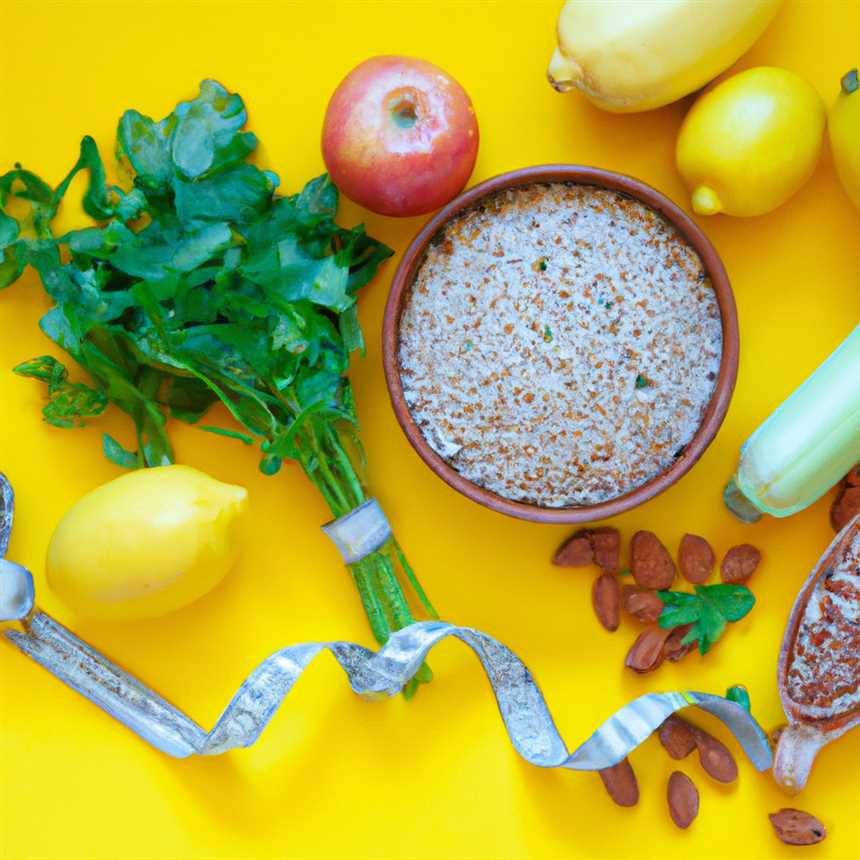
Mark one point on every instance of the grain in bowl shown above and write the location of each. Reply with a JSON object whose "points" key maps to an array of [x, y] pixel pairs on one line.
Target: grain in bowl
{"points": [[559, 344]]}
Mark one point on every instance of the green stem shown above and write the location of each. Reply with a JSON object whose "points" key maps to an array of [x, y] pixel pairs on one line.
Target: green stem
{"points": [[378, 623], [410, 573], [346, 467], [384, 591]]}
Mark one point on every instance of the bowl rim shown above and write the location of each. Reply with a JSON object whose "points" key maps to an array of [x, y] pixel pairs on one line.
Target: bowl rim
{"points": [[717, 407]]}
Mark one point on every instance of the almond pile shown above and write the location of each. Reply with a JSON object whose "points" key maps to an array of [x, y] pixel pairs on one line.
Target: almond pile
{"points": [[846, 505], [679, 738], [653, 569]]}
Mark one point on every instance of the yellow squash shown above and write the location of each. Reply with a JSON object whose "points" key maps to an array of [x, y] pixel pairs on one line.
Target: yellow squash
{"points": [[844, 126], [146, 543], [634, 55], [751, 142]]}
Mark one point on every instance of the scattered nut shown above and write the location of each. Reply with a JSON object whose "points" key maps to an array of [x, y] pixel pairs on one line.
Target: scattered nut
{"points": [[650, 562], [845, 507], [676, 735], [794, 827], [675, 648], [642, 603], [620, 782], [606, 544], [695, 559], [852, 479], [606, 597], [574, 552], [683, 799], [646, 653], [714, 756], [740, 563]]}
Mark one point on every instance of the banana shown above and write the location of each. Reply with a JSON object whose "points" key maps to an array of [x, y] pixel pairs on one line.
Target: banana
{"points": [[635, 55]]}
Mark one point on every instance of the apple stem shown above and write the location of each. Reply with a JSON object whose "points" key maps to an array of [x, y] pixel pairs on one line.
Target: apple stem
{"points": [[403, 113]]}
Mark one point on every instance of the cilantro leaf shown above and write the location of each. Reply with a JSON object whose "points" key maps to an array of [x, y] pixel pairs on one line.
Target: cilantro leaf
{"points": [[117, 454], [733, 601], [678, 608], [146, 146], [200, 284], [708, 611], [69, 403]]}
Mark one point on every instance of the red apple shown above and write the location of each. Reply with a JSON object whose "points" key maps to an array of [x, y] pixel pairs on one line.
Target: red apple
{"points": [[400, 136]]}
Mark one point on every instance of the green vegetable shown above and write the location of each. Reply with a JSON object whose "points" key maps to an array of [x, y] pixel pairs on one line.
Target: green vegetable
{"points": [[199, 284], [708, 610]]}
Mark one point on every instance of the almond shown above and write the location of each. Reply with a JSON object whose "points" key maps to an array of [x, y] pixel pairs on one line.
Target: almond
{"points": [[714, 756], [740, 563], [695, 559], [676, 735], [643, 604], [574, 552], [845, 507], [675, 649], [683, 799], [620, 782], [852, 479], [650, 562], [606, 599], [795, 827], [606, 544], [646, 653]]}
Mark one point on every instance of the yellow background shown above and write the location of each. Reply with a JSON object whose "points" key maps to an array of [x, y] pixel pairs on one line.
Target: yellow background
{"points": [[335, 776]]}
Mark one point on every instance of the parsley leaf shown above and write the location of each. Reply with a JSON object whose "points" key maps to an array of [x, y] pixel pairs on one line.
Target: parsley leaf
{"points": [[69, 403], [708, 611], [199, 284]]}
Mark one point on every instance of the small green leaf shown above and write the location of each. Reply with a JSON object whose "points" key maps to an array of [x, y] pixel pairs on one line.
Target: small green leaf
{"points": [[146, 145], [45, 368], [207, 133], [709, 627], [69, 403], [270, 465], [232, 434], [678, 608], [738, 693], [350, 331], [9, 230], [119, 455], [733, 601], [708, 611]]}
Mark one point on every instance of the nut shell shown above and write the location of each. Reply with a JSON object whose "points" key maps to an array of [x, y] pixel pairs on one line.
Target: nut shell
{"points": [[695, 559], [795, 827], [683, 799], [740, 563], [620, 783], [650, 562]]}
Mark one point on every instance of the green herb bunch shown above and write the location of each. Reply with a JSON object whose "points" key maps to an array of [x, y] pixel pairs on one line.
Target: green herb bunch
{"points": [[199, 284]]}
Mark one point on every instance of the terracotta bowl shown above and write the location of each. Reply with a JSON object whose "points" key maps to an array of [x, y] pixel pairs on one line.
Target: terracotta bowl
{"points": [[716, 409]]}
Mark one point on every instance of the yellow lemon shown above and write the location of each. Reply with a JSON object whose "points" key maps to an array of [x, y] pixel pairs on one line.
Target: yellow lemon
{"points": [[844, 125], [751, 142], [146, 543]]}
